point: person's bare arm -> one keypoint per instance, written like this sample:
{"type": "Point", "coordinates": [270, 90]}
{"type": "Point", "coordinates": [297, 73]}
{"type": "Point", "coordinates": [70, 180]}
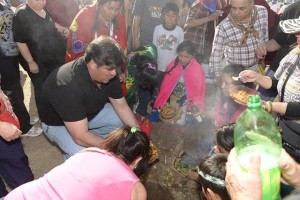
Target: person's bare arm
{"type": "Point", "coordinates": [81, 135]}
{"type": "Point", "coordinates": [265, 47]}
{"type": "Point", "coordinates": [135, 31]}
{"type": "Point", "coordinates": [272, 45]}
{"type": "Point", "coordinates": [198, 22]}
{"type": "Point", "coordinates": [124, 112]}
{"type": "Point", "coordinates": [247, 76]}
{"type": "Point", "coordinates": [34, 68]}
{"type": "Point", "coordinates": [138, 192]}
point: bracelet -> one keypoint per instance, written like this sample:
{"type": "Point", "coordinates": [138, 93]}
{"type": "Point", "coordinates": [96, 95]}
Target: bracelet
{"type": "Point", "coordinates": [269, 107]}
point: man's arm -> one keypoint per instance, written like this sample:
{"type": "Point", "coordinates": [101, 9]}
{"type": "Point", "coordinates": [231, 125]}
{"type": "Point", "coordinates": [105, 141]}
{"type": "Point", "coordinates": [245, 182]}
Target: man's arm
{"type": "Point", "coordinates": [135, 31]}
{"type": "Point", "coordinates": [81, 135]}
{"type": "Point", "coordinates": [198, 22]}
{"type": "Point", "coordinates": [124, 112]}
{"type": "Point", "coordinates": [269, 46]}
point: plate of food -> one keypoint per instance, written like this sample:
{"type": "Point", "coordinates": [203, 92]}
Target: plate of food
{"type": "Point", "coordinates": [169, 113]}
{"type": "Point", "coordinates": [241, 93]}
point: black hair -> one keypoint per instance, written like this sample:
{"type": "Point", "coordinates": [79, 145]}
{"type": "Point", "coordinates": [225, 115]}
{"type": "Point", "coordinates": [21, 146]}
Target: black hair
{"type": "Point", "coordinates": [105, 51]}
{"type": "Point", "coordinates": [224, 136]}
{"type": "Point", "coordinates": [170, 6]}
{"type": "Point", "coordinates": [129, 146]}
{"type": "Point", "coordinates": [147, 76]}
{"type": "Point", "coordinates": [214, 166]}
{"type": "Point", "coordinates": [234, 70]}
{"type": "Point", "coordinates": [187, 46]}
{"type": "Point", "coordinates": [96, 22]}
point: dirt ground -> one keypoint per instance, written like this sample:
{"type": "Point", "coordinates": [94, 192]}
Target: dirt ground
{"type": "Point", "coordinates": [180, 149]}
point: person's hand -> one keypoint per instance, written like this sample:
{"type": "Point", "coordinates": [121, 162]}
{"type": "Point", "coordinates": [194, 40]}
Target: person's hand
{"type": "Point", "coordinates": [241, 184]}
{"type": "Point", "coordinates": [248, 76]}
{"type": "Point", "coordinates": [9, 131]}
{"type": "Point", "coordinates": [215, 15]}
{"type": "Point", "coordinates": [290, 169]}
{"type": "Point", "coordinates": [33, 67]}
{"type": "Point", "coordinates": [261, 51]}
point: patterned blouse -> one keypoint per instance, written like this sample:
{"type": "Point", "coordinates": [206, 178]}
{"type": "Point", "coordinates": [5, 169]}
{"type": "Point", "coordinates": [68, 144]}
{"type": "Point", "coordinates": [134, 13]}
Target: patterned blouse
{"type": "Point", "coordinates": [292, 88]}
{"type": "Point", "coordinates": [7, 45]}
{"type": "Point", "coordinates": [227, 43]}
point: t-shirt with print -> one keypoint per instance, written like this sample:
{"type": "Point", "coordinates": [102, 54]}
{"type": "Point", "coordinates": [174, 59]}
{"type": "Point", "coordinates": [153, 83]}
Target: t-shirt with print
{"type": "Point", "coordinates": [166, 42]}
{"type": "Point", "coordinates": [7, 45]}
{"type": "Point", "coordinates": [150, 13]}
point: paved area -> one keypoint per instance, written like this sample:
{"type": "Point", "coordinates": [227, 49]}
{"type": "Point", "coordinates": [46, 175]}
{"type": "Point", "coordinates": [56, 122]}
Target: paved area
{"type": "Point", "coordinates": [180, 148]}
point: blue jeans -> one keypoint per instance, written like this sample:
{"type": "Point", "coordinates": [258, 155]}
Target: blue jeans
{"type": "Point", "coordinates": [102, 124]}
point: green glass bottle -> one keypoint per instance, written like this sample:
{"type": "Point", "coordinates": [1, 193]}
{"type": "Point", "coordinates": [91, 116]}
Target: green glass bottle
{"type": "Point", "coordinates": [256, 133]}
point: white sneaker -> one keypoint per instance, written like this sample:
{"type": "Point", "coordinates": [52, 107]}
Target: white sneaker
{"type": "Point", "coordinates": [33, 132]}
{"type": "Point", "coordinates": [34, 120]}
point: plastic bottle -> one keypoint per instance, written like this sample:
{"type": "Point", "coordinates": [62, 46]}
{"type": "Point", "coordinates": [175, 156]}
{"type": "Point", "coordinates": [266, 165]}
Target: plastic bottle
{"type": "Point", "coordinates": [256, 133]}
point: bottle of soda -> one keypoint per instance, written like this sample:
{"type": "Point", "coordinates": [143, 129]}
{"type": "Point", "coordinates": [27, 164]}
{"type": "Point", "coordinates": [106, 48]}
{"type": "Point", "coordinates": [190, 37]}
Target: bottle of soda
{"type": "Point", "coordinates": [256, 133]}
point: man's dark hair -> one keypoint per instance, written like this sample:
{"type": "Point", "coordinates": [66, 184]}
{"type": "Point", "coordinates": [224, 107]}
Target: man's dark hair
{"type": "Point", "coordinates": [105, 51]}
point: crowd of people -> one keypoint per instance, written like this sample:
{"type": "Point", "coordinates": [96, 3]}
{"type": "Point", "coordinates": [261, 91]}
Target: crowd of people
{"type": "Point", "coordinates": [77, 58]}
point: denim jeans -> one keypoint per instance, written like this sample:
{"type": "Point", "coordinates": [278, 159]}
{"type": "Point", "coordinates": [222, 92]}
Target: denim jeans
{"type": "Point", "coordinates": [103, 123]}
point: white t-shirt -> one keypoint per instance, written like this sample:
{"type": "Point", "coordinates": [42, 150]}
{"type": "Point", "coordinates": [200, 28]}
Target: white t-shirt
{"type": "Point", "coordinates": [166, 42]}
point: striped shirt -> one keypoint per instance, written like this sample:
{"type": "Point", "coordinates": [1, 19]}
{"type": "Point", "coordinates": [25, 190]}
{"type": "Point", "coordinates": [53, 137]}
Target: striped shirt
{"type": "Point", "coordinates": [227, 43]}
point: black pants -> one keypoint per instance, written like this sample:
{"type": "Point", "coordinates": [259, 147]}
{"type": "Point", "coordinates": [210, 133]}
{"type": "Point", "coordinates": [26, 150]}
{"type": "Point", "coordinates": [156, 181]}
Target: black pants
{"type": "Point", "coordinates": [10, 84]}
{"type": "Point", "coordinates": [45, 68]}
{"type": "Point", "coordinates": [14, 168]}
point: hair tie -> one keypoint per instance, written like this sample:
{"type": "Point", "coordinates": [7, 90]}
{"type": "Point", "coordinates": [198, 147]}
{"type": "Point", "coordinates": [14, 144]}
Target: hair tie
{"type": "Point", "coordinates": [149, 66]}
{"type": "Point", "coordinates": [211, 179]}
{"type": "Point", "coordinates": [133, 130]}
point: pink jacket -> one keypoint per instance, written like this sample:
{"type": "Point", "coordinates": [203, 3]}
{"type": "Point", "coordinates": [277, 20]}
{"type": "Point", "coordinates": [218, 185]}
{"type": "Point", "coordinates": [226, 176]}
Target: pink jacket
{"type": "Point", "coordinates": [194, 79]}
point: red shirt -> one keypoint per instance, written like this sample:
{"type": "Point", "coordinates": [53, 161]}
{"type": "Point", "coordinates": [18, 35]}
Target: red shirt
{"type": "Point", "coordinates": [82, 33]}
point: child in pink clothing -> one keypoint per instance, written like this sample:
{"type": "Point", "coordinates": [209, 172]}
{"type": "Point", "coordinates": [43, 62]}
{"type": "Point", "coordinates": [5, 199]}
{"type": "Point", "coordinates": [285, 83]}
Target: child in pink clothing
{"type": "Point", "coordinates": [95, 173]}
{"type": "Point", "coordinates": [185, 80]}
{"type": "Point", "coordinates": [227, 110]}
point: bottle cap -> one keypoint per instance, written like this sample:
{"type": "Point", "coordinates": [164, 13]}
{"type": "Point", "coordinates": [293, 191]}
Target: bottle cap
{"type": "Point", "coordinates": [253, 101]}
